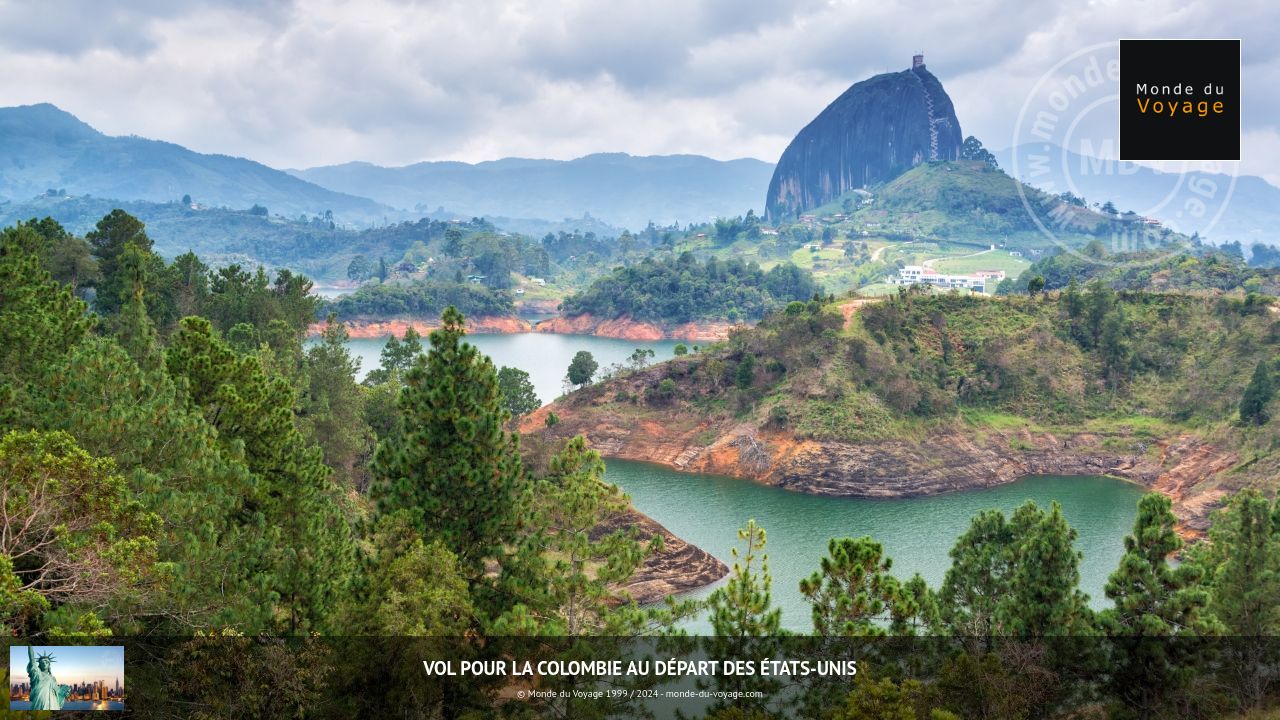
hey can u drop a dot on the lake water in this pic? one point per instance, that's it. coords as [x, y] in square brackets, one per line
[917, 533]
[708, 510]
[544, 356]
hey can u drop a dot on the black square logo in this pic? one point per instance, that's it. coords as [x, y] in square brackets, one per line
[1179, 99]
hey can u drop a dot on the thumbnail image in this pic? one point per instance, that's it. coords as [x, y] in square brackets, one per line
[65, 677]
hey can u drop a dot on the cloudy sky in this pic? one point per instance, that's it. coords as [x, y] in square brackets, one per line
[298, 83]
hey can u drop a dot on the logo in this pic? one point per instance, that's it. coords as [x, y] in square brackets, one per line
[1066, 143]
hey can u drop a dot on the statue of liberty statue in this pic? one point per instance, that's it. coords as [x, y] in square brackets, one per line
[46, 693]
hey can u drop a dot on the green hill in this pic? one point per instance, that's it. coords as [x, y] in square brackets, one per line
[922, 393]
[973, 203]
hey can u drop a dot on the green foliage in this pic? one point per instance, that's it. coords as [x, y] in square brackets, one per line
[682, 289]
[854, 594]
[972, 149]
[39, 320]
[1189, 267]
[237, 296]
[175, 467]
[1257, 395]
[681, 350]
[331, 407]
[1043, 597]
[312, 554]
[1016, 577]
[745, 375]
[453, 469]
[1154, 600]
[397, 357]
[109, 240]
[408, 588]
[518, 395]
[66, 257]
[421, 298]
[1035, 284]
[360, 269]
[743, 606]
[73, 534]
[1242, 566]
[582, 368]
[583, 554]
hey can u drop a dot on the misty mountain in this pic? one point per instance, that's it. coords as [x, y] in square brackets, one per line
[1252, 214]
[43, 147]
[616, 188]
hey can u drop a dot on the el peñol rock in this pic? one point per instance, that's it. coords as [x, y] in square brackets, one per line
[878, 129]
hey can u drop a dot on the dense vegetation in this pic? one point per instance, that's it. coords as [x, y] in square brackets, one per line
[422, 298]
[681, 289]
[916, 359]
[1197, 267]
[225, 475]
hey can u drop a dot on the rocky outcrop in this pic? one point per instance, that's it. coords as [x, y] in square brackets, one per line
[495, 325]
[680, 566]
[627, 329]
[878, 129]
[1185, 468]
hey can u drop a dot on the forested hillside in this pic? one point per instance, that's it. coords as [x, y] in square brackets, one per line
[682, 289]
[1197, 268]
[176, 460]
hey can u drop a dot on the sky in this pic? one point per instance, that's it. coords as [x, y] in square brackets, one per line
[301, 83]
[72, 665]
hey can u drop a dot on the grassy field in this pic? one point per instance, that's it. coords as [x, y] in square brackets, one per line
[989, 260]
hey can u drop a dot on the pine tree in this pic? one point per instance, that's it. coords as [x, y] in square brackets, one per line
[582, 567]
[1153, 599]
[1043, 598]
[1242, 566]
[311, 563]
[452, 467]
[1257, 395]
[332, 409]
[744, 621]
[743, 606]
[175, 466]
[854, 594]
[398, 355]
[982, 565]
[133, 326]
[518, 395]
[109, 240]
[1152, 603]
[40, 321]
[1246, 576]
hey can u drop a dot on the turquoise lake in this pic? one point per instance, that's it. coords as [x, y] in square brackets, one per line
[708, 510]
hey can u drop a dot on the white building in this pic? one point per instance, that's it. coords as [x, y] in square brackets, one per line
[981, 281]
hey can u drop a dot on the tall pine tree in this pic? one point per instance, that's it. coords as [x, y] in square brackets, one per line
[310, 564]
[452, 468]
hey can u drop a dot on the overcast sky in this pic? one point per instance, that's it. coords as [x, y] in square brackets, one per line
[313, 82]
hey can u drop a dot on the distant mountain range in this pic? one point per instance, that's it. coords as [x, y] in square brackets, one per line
[1252, 214]
[619, 189]
[43, 148]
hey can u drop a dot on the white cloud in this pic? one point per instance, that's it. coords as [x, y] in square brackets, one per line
[311, 82]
